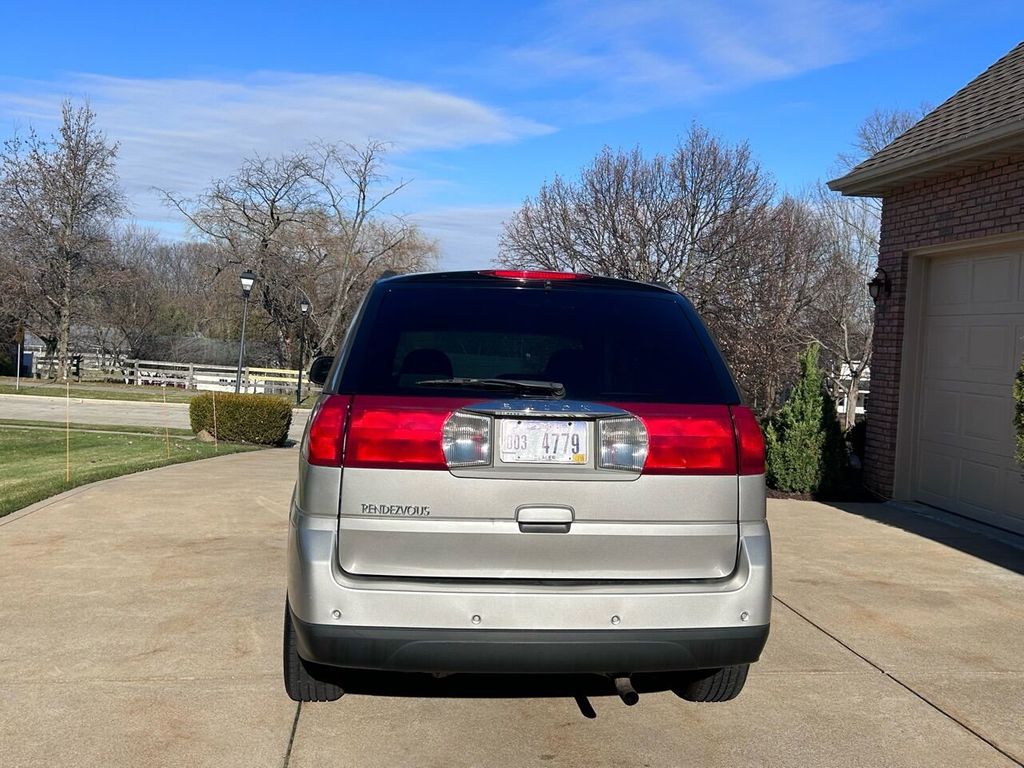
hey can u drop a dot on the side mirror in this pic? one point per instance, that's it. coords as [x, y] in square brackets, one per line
[319, 369]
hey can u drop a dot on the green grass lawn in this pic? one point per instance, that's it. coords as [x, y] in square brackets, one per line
[173, 431]
[32, 461]
[103, 391]
[99, 391]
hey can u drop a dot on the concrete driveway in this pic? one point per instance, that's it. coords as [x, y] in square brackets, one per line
[133, 412]
[140, 623]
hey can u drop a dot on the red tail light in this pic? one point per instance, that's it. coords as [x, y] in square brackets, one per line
[407, 433]
[688, 439]
[325, 440]
[398, 432]
[749, 441]
[523, 274]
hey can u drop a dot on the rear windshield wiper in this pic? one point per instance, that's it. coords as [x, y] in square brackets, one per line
[520, 386]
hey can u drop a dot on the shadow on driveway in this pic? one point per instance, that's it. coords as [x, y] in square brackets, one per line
[480, 686]
[976, 539]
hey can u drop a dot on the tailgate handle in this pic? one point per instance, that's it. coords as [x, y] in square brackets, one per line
[544, 519]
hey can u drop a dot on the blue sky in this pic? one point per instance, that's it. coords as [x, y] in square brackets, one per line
[483, 101]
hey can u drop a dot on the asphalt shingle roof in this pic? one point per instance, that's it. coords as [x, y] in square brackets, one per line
[992, 101]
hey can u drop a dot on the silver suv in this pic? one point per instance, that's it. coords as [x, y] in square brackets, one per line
[528, 472]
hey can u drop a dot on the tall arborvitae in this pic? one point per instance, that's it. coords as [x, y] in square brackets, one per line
[804, 443]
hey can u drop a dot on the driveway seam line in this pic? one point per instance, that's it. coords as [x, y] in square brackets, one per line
[820, 628]
[899, 682]
[966, 727]
[291, 736]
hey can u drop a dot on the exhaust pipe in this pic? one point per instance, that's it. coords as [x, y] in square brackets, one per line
[624, 687]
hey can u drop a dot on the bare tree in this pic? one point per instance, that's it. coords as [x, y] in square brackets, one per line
[359, 242]
[877, 131]
[126, 308]
[725, 199]
[310, 224]
[608, 223]
[843, 318]
[58, 201]
[702, 221]
[758, 312]
[187, 272]
[681, 220]
[250, 215]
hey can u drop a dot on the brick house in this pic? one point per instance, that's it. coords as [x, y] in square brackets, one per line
[950, 323]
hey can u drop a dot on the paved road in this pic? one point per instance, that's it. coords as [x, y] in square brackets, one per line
[136, 413]
[140, 624]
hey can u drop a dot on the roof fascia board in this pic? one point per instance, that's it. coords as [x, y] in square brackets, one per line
[875, 181]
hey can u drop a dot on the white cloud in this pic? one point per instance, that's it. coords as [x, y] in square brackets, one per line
[587, 61]
[178, 134]
[628, 57]
[468, 235]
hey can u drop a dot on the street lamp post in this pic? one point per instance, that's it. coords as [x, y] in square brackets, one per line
[247, 278]
[303, 310]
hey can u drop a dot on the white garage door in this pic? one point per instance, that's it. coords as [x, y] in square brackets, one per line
[973, 341]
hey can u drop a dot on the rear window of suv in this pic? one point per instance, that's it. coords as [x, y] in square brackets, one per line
[599, 344]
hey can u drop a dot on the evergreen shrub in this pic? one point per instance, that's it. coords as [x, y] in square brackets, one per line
[804, 444]
[259, 419]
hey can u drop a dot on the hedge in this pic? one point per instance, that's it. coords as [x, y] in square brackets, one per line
[259, 419]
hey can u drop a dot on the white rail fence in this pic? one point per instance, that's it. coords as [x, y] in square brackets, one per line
[161, 373]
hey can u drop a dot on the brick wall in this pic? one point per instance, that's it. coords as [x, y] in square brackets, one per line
[964, 205]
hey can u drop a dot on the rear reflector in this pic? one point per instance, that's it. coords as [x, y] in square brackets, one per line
[325, 438]
[749, 441]
[523, 274]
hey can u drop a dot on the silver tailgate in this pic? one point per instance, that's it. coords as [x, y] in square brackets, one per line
[433, 524]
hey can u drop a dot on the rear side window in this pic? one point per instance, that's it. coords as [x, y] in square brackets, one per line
[600, 344]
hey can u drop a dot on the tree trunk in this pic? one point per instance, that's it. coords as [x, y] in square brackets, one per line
[50, 345]
[852, 392]
[283, 352]
[64, 332]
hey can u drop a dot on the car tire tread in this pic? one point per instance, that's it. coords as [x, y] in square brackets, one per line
[303, 680]
[720, 685]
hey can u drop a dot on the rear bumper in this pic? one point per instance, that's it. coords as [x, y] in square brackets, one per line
[498, 625]
[528, 652]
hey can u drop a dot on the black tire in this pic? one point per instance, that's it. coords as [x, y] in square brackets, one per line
[722, 684]
[303, 680]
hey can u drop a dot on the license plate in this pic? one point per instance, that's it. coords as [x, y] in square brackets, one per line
[543, 442]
